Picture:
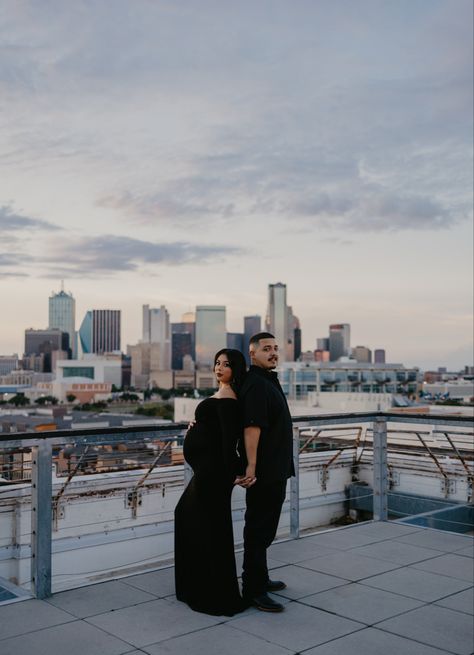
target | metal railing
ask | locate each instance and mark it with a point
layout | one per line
(43, 447)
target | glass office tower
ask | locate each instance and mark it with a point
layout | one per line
(100, 331)
(157, 329)
(252, 325)
(339, 340)
(277, 317)
(62, 316)
(211, 333)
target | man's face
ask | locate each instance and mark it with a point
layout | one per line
(264, 354)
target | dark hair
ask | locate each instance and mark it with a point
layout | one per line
(261, 335)
(237, 364)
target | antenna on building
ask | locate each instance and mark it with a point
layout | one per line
(62, 285)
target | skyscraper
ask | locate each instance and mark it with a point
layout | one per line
(379, 356)
(235, 340)
(210, 333)
(186, 326)
(43, 343)
(181, 345)
(339, 340)
(362, 354)
(252, 325)
(100, 331)
(293, 349)
(297, 341)
(62, 315)
(157, 329)
(277, 317)
(322, 343)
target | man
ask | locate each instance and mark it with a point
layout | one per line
(268, 438)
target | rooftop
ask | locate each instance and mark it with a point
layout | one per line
(365, 589)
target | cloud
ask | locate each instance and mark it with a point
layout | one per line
(8, 262)
(202, 116)
(12, 274)
(374, 210)
(11, 221)
(107, 255)
(185, 205)
(8, 259)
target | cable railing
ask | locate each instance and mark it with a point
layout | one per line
(52, 467)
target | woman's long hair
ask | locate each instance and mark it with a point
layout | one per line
(237, 364)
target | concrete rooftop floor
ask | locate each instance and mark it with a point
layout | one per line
(367, 589)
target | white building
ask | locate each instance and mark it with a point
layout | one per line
(299, 379)
(92, 368)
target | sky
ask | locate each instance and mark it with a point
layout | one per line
(183, 153)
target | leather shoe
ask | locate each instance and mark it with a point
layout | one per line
(264, 603)
(275, 585)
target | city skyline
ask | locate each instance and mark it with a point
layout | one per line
(145, 309)
(177, 155)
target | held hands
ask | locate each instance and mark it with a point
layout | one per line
(248, 479)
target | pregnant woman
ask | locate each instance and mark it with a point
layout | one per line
(205, 571)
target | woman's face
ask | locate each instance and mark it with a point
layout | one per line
(222, 370)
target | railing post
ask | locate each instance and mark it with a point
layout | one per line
(380, 483)
(295, 488)
(41, 515)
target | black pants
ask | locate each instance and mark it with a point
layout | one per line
(264, 503)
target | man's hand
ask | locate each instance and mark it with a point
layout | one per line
(251, 438)
(248, 479)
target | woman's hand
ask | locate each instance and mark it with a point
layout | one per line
(248, 479)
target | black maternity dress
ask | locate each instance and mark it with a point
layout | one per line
(205, 571)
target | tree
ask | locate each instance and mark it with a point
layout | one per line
(19, 400)
(132, 397)
(70, 397)
(46, 400)
(164, 410)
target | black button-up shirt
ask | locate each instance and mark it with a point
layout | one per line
(264, 405)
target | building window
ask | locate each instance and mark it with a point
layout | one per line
(78, 372)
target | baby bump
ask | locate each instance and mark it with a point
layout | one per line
(196, 444)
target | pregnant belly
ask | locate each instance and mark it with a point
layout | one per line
(196, 444)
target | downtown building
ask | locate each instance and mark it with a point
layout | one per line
(89, 379)
(183, 341)
(282, 323)
(363, 355)
(100, 331)
(151, 357)
(339, 341)
(235, 340)
(9, 363)
(211, 334)
(62, 316)
(379, 356)
(252, 325)
(348, 385)
(157, 330)
(43, 348)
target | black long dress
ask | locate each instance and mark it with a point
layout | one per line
(205, 571)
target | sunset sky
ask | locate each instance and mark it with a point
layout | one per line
(182, 152)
